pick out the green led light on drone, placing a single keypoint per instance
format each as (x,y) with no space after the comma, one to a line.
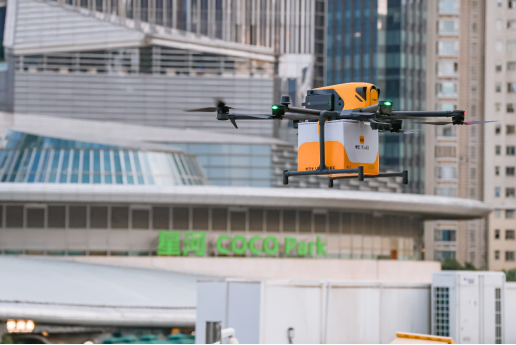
(387,104)
(275,107)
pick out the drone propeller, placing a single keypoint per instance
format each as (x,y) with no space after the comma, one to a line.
(443,123)
(220,104)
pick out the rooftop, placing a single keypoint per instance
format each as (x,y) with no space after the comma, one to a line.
(422,206)
(75,293)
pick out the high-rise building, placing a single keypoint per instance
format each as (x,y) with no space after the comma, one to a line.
(500,138)
(145,62)
(384,42)
(455,159)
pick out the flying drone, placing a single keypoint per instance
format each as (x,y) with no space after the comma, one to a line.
(338,129)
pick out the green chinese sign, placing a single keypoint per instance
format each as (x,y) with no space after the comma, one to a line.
(194,243)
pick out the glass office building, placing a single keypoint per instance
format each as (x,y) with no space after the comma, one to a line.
(383,42)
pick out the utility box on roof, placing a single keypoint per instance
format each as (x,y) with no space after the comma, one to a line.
(468,306)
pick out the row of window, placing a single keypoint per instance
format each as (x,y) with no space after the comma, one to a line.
(196,218)
(509,214)
(509,171)
(511,65)
(510,107)
(510,192)
(509,129)
(510,150)
(511,87)
(509,255)
(509,234)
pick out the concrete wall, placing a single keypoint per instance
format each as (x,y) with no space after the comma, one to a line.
(385,270)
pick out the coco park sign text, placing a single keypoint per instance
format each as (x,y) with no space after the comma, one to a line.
(177,243)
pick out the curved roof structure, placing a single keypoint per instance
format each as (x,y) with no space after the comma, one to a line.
(423,206)
(76,293)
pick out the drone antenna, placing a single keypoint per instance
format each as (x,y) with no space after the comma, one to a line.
(285,100)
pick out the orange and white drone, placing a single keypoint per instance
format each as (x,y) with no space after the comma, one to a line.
(338,129)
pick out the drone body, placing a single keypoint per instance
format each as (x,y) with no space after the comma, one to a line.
(338,129)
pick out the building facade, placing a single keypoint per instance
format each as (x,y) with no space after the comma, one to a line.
(79,187)
(384,42)
(455,159)
(500,139)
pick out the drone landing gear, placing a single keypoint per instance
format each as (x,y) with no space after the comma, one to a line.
(403,174)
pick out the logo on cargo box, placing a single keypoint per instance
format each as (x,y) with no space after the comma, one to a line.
(362,140)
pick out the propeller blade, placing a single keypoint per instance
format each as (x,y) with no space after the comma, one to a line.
(409,131)
(477,122)
(202,110)
(438,123)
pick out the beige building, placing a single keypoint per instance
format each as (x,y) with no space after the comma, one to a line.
(455,159)
(500,138)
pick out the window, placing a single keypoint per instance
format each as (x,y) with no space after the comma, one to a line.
(238,220)
(510,150)
(200,218)
(181,218)
(509,192)
(446,173)
(448,26)
(498,106)
(447,89)
(497,171)
(509,171)
(446,191)
(497,234)
(140,219)
(497,192)
(511,66)
(509,256)
(497,214)
(447,68)
(273,220)
(219,219)
(255,220)
(498,129)
(511,24)
(56,217)
(14,217)
(35,217)
(510,108)
(510,129)
(499,46)
(473,173)
(498,149)
(497,255)
(160,218)
(98,217)
(511,87)
(77,217)
(448,47)
(510,4)
(509,214)
(511,46)
(498,66)
(119,217)
(289,221)
(448,6)
(445,235)
(305,221)
(509,234)
(498,86)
